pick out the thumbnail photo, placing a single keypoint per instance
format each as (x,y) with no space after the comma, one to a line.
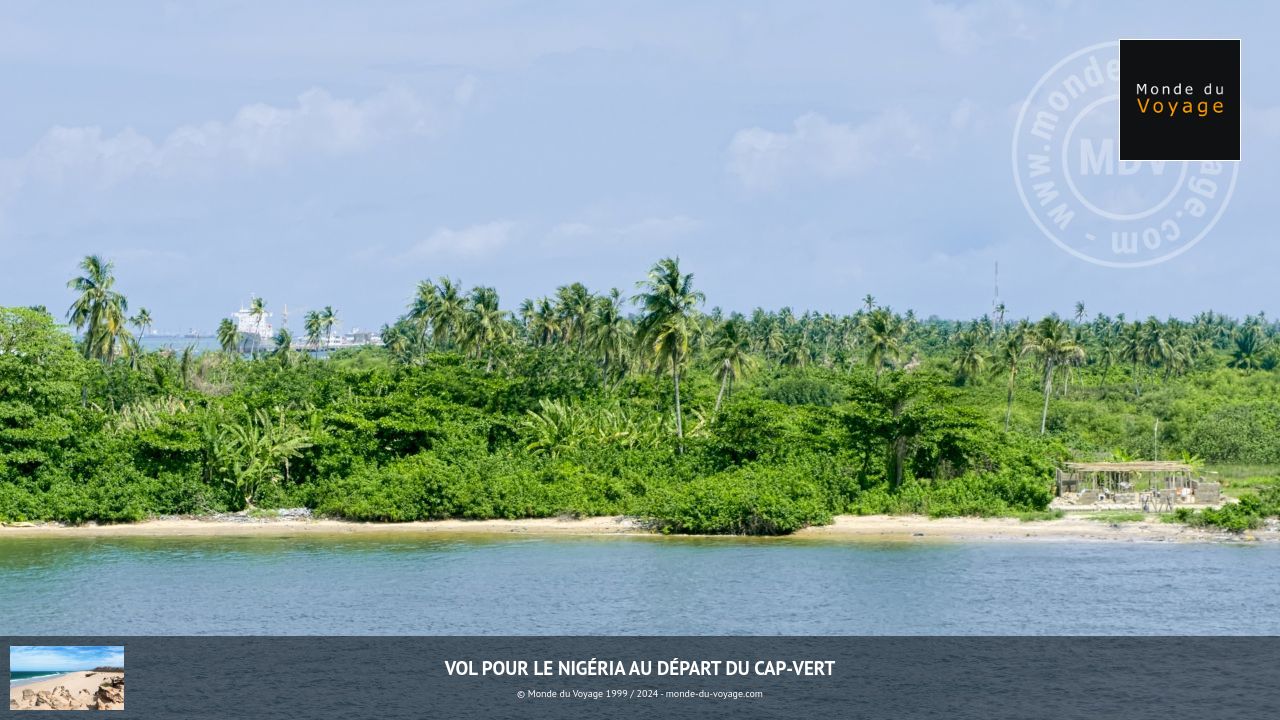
(66,677)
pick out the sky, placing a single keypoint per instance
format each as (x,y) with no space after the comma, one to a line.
(791,154)
(65,657)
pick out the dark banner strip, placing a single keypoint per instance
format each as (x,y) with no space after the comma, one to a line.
(691,677)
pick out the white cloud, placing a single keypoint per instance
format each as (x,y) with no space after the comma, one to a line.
(964,115)
(64,657)
(817,147)
(954,27)
(1264,121)
(257,135)
(647,229)
(476,241)
(465,91)
(962,28)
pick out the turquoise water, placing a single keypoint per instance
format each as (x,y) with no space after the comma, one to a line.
(21,677)
(630,585)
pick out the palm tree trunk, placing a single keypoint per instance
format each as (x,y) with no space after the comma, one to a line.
(899,460)
(675,374)
(724,382)
(1008,412)
(897,449)
(1048,390)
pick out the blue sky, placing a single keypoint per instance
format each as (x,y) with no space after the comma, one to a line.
(65,657)
(800,154)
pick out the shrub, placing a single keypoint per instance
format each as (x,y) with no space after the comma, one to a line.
(805,391)
(409,489)
(1248,514)
(743,501)
(976,494)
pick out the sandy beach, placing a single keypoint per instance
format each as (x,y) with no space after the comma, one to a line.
(906,528)
(79,690)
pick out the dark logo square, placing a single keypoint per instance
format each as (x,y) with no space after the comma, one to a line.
(1179,99)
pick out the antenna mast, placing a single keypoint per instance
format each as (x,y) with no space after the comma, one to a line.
(995,296)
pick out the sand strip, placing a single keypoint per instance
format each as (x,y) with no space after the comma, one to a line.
(844,527)
(80,688)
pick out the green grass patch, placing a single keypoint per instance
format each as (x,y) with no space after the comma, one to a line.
(1242,479)
(1037,515)
(1117,516)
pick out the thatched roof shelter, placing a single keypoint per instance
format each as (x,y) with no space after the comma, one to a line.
(1140,466)
(1124,476)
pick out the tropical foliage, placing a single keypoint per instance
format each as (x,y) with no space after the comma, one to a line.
(584,402)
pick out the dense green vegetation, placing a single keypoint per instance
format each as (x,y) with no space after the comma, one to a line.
(1248,514)
(587,404)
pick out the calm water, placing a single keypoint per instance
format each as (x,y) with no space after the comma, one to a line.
(178,344)
(22,677)
(381,585)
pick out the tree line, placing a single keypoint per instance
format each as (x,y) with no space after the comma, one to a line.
(645,402)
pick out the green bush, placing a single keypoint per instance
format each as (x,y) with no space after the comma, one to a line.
(804,391)
(1248,514)
(426,487)
(742,501)
(414,488)
(978,494)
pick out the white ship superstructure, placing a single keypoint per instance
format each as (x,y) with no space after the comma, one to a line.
(256,332)
(254,327)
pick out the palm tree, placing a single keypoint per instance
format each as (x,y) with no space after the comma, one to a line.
(574,304)
(258,311)
(1011,350)
(484,324)
(1158,343)
(883,333)
(1052,341)
(970,360)
(541,322)
(448,313)
(328,318)
(668,304)
(283,350)
(313,325)
(142,321)
(396,340)
(99,310)
(1134,349)
(185,363)
(421,309)
(1108,351)
(794,353)
(608,330)
(730,353)
(1251,347)
(228,336)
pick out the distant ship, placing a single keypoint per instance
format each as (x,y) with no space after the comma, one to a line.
(257,331)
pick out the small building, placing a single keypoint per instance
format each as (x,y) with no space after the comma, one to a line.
(1149,484)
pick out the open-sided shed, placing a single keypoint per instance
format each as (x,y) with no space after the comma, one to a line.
(1174,481)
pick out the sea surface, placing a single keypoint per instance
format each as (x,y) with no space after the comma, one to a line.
(393,585)
(22,677)
(178,343)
